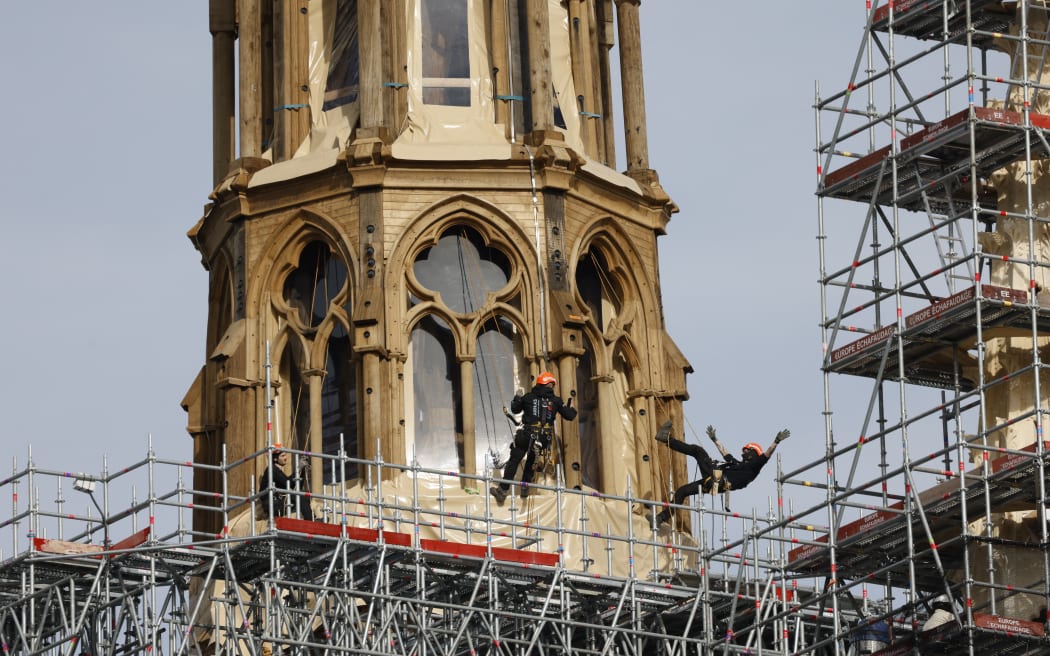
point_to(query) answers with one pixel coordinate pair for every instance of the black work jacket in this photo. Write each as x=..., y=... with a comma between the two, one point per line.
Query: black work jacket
x=741, y=472
x=540, y=405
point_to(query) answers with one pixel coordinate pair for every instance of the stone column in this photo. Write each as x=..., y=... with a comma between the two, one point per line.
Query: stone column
x=291, y=116
x=466, y=381
x=581, y=39
x=632, y=85
x=221, y=23
x=570, y=430
x=370, y=62
x=542, y=94
x=249, y=33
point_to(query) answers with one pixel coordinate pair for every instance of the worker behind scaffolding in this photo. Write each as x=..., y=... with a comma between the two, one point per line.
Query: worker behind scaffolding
x=730, y=474
x=285, y=489
x=536, y=434
x=869, y=638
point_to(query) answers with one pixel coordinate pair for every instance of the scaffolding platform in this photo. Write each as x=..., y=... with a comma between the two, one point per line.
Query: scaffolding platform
x=872, y=542
x=934, y=164
x=925, y=20
x=992, y=634
x=935, y=337
x=53, y=560
x=301, y=544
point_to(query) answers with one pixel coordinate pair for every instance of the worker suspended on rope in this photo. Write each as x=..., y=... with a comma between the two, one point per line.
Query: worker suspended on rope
x=536, y=433
x=731, y=474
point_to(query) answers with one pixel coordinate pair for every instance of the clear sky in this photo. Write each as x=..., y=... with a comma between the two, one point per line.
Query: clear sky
x=107, y=117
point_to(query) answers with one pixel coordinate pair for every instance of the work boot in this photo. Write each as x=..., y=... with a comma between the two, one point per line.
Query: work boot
x=659, y=517
x=664, y=432
x=499, y=493
x=524, y=491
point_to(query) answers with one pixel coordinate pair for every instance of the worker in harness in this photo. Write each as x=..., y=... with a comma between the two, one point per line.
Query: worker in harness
x=731, y=474
x=536, y=433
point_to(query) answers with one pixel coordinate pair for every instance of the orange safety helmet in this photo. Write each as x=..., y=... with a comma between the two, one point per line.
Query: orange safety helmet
x=546, y=378
x=754, y=446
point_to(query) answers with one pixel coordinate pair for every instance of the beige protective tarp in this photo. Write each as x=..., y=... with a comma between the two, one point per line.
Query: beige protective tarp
x=431, y=132
x=451, y=509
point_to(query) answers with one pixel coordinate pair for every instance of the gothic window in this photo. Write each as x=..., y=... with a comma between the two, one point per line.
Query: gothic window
x=436, y=392
x=445, y=52
x=589, y=417
x=315, y=302
x=293, y=408
x=465, y=277
x=312, y=286
x=601, y=292
x=500, y=369
x=462, y=269
x=598, y=289
x=339, y=405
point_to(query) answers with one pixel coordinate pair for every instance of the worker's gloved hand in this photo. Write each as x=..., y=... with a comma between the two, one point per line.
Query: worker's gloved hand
x=782, y=435
x=731, y=459
x=711, y=433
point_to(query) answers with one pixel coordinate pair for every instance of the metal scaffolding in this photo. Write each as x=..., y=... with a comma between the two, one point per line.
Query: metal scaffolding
x=932, y=213
x=381, y=572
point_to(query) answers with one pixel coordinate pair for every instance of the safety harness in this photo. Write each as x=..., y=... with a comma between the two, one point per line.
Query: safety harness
x=715, y=483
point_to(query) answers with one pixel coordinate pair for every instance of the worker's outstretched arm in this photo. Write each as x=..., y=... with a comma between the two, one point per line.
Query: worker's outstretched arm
x=718, y=445
x=781, y=436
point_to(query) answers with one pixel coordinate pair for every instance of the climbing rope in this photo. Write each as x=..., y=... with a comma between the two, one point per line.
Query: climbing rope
x=473, y=286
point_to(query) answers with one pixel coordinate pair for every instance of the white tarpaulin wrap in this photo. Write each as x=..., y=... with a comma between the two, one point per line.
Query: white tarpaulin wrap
x=442, y=509
x=431, y=131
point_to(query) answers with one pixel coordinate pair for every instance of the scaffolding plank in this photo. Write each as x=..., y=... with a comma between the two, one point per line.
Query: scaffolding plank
x=863, y=541
x=930, y=19
x=65, y=547
x=1008, y=625
x=504, y=554
x=1021, y=637
x=336, y=530
x=930, y=335
x=936, y=160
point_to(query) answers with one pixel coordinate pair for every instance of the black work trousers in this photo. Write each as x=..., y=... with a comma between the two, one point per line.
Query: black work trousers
x=520, y=448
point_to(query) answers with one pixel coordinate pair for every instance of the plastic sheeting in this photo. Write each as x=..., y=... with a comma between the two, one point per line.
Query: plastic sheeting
x=470, y=132
x=431, y=132
x=595, y=538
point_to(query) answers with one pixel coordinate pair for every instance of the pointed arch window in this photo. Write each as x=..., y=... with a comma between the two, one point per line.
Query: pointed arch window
x=466, y=357
x=436, y=390
x=293, y=407
x=500, y=369
x=589, y=416
x=601, y=378
x=314, y=284
x=339, y=406
x=317, y=402
x=598, y=289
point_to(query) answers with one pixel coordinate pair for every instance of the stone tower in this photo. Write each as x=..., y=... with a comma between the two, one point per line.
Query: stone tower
x=417, y=210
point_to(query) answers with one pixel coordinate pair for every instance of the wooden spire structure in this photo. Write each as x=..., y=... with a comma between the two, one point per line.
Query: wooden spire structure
x=416, y=211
